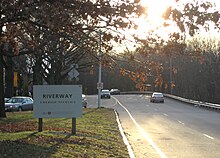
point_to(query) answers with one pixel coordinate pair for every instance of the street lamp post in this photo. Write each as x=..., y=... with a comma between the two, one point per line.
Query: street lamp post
x=100, y=70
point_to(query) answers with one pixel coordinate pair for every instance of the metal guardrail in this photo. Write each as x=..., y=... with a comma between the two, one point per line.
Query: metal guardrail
x=194, y=102
x=189, y=101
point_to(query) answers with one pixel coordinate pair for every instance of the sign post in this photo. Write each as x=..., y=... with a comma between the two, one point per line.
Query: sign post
x=40, y=125
x=74, y=126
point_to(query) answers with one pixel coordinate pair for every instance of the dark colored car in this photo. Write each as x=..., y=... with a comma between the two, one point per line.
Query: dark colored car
x=105, y=93
x=19, y=103
x=157, y=97
x=114, y=91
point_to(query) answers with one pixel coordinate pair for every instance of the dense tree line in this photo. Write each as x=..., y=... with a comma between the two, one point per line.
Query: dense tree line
x=198, y=78
x=192, y=71
x=195, y=73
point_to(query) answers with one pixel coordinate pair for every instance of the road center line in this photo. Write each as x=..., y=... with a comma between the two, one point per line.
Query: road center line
x=149, y=140
x=115, y=103
x=208, y=136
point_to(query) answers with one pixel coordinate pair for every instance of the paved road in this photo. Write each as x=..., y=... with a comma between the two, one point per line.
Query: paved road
x=172, y=129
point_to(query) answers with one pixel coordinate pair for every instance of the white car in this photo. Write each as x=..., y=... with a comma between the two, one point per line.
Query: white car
x=157, y=97
x=114, y=91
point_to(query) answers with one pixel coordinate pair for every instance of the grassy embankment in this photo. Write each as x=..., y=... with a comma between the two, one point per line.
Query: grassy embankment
x=97, y=136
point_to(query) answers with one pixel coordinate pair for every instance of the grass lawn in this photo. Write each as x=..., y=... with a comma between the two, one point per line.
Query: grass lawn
x=97, y=136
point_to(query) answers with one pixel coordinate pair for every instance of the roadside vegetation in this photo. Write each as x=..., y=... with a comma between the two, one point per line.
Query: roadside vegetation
x=97, y=136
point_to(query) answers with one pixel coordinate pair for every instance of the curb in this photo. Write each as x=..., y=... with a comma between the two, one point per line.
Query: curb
x=130, y=150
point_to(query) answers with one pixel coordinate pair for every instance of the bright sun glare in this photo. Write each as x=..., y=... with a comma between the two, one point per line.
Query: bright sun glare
x=151, y=21
x=155, y=10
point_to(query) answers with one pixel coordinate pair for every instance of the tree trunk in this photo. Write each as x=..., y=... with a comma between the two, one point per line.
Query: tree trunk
x=2, y=102
x=9, y=91
x=37, y=79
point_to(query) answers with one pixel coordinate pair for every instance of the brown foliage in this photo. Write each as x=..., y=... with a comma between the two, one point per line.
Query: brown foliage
x=47, y=29
x=193, y=16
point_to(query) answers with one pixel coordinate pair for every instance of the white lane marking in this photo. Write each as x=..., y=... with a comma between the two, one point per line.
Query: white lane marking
x=130, y=151
x=206, y=135
x=149, y=140
x=115, y=103
x=181, y=122
x=165, y=114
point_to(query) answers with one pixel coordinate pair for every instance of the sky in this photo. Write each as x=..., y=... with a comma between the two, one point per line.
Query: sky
x=155, y=10
x=157, y=7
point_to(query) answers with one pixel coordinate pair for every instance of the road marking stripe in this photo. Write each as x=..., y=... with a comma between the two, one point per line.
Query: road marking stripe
x=208, y=136
x=149, y=140
x=115, y=103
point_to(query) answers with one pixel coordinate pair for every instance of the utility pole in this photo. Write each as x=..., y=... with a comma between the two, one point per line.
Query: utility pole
x=100, y=70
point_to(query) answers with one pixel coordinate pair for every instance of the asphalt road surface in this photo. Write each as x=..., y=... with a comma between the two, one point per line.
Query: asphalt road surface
x=171, y=129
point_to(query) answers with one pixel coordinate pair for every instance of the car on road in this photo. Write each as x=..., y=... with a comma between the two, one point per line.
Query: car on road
x=84, y=101
x=114, y=91
x=157, y=97
x=19, y=103
x=105, y=93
